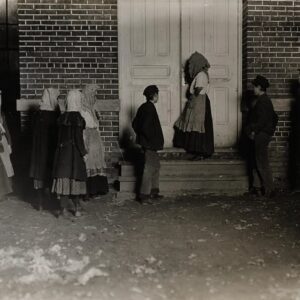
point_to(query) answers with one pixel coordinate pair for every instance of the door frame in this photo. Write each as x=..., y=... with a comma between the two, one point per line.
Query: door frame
x=121, y=66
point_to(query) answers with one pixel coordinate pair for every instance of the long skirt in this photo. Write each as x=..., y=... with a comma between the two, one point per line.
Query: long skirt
x=196, y=142
x=68, y=187
x=95, y=164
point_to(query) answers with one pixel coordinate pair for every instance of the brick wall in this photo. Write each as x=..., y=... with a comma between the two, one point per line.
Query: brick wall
x=271, y=48
x=67, y=44
x=271, y=44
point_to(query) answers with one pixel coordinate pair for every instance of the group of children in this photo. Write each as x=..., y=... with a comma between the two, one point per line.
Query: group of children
x=67, y=157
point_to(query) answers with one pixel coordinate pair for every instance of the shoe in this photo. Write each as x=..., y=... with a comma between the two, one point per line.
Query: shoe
x=144, y=199
x=62, y=213
x=270, y=194
x=156, y=196
x=253, y=191
x=77, y=214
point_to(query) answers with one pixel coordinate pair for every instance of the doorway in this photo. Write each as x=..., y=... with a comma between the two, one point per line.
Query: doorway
x=157, y=37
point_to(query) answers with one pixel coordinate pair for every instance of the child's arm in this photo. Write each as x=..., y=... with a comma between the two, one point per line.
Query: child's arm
x=78, y=138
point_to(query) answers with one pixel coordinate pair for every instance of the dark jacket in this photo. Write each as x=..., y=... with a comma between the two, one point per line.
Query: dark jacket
x=69, y=162
x=44, y=141
x=262, y=117
x=147, y=127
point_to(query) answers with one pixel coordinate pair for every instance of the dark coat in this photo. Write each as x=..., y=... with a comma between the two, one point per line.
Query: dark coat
x=147, y=127
x=262, y=117
x=44, y=141
x=69, y=162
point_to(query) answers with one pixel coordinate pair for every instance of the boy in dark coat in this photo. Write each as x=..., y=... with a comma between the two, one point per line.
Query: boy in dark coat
x=150, y=136
x=261, y=125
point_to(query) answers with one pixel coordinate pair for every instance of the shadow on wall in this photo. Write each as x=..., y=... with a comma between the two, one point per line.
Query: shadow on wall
x=294, y=141
x=132, y=154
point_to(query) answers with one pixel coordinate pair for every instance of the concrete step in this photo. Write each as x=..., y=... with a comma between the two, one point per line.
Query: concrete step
x=206, y=184
x=193, y=168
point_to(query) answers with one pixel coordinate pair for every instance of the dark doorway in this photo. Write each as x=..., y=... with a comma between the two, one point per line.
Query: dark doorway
x=9, y=54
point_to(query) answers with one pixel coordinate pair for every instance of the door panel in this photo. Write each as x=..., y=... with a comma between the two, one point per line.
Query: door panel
x=153, y=30
x=155, y=39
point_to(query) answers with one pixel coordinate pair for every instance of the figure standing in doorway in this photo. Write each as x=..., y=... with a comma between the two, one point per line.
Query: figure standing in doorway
x=260, y=128
x=194, y=128
x=149, y=135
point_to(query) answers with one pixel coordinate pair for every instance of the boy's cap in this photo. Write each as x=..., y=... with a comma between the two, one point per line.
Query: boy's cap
x=262, y=81
x=150, y=90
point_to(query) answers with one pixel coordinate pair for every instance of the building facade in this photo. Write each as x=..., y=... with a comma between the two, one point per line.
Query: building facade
x=127, y=44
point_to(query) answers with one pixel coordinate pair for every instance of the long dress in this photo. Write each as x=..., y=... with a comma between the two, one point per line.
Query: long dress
x=44, y=143
x=69, y=171
x=97, y=183
x=194, y=128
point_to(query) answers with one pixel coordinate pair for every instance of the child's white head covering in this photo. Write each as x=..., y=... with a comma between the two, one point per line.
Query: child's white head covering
x=74, y=100
x=49, y=99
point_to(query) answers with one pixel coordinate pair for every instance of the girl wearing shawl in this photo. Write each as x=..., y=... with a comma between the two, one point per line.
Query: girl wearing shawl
x=6, y=169
x=194, y=128
x=44, y=143
x=69, y=171
x=95, y=163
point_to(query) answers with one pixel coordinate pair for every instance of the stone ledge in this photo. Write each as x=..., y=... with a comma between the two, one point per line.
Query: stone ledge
x=101, y=105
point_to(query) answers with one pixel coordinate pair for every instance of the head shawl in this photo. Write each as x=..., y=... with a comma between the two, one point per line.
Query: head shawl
x=49, y=99
x=196, y=63
x=74, y=99
x=89, y=97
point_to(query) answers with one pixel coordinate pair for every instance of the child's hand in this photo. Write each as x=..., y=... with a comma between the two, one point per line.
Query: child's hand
x=85, y=157
x=252, y=135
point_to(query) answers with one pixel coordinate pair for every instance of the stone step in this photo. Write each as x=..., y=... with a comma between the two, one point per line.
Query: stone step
x=204, y=184
x=193, y=168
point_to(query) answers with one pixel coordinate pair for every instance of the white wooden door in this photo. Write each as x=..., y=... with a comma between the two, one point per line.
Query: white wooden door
x=149, y=35
x=155, y=39
x=211, y=28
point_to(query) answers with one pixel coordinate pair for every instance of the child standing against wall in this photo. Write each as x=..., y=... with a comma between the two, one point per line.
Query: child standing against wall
x=95, y=163
x=69, y=170
x=44, y=143
x=150, y=136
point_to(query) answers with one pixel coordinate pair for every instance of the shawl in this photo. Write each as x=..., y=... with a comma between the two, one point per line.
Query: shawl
x=196, y=63
x=74, y=99
x=89, y=100
x=49, y=99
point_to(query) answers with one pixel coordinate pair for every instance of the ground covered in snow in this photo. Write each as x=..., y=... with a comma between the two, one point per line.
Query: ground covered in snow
x=183, y=247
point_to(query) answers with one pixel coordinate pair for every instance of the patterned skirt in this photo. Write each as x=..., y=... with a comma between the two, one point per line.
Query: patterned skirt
x=68, y=187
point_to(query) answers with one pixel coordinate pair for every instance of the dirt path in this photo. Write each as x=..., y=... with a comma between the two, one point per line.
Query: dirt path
x=184, y=247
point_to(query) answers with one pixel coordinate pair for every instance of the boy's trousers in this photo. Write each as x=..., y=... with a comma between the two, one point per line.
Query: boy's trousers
x=150, y=179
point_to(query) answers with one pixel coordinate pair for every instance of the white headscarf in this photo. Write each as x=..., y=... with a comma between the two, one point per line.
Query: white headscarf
x=74, y=101
x=49, y=99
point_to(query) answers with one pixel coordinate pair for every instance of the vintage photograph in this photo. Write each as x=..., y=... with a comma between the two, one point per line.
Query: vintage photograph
x=150, y=149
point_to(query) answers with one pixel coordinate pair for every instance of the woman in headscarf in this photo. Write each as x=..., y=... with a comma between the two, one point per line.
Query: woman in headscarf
x=194, y=128
x=44, y=143
x=95, y=163
x=69, y=171
x=6, y=168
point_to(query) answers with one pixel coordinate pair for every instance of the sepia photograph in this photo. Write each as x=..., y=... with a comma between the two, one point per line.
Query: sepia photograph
x=149, y=149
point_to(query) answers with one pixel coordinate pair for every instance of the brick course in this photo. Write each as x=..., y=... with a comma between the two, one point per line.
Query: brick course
x=66, y=44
